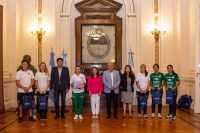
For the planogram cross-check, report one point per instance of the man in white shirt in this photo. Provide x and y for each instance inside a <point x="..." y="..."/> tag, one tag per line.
<point x="24" y="81"/>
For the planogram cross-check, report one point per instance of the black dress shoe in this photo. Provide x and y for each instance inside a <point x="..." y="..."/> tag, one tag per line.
<point x="45" y="116"/>
<point x="63" y="117"/>
<point x="20" y="120"/>
<point x="56" y="117"/>
<point x="108" y="117"/>
<point x="31" y="118"/>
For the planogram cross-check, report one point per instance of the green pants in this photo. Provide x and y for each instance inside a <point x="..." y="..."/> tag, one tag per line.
<point x="78" y="102"/>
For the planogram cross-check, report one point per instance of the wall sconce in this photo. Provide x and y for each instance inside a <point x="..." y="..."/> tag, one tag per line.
<point x="39" y="32"/>
<point x="157" y="32"/>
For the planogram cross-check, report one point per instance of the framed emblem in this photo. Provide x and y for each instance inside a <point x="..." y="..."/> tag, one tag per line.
<point x="98" y="49"/>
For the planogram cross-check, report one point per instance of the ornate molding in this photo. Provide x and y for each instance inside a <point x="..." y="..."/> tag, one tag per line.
<point x="63" y="15"/>
<point x="98" y="6"/>
<point x="132" y="15"/>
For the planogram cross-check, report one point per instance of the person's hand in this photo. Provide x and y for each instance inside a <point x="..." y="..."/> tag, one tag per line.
<point x="99" y="93"/>
<point x="67" y="90"/>
<point x="144" y="91"/>
<point x="112" y="87"/>
<point x="45" y="91"/>
<point x="26" y="89"/>
<point x="40" y="91"/>
<point x="90" y="94"/>
<point x="141" y="90"/>
<point x="72" y="85"/>
<point x="173" y="88"/>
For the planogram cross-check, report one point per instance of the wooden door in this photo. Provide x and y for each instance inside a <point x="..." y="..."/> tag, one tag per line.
<point x="2" y="109"/>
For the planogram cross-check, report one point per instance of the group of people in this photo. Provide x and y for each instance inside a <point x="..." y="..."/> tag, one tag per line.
<point x="111" y="82"/>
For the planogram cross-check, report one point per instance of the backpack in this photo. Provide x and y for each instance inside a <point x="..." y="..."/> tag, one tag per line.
<point x="184" y="102"/>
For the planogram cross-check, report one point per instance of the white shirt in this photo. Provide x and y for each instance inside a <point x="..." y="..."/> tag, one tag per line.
<point x="25" y="78"/>
<point x="76" y="80"/>
<point x="42" y="79"/>
<point x="143" y="80"/>
<point x="111" y="75"/>
<point x="59" y="73"/>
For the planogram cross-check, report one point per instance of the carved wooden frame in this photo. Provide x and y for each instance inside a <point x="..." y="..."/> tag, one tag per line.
<point x="102" y="14"/>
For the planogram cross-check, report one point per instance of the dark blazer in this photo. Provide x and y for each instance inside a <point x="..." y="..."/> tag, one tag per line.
<point x="123" y="83"/>
<point x="64" y="79"/>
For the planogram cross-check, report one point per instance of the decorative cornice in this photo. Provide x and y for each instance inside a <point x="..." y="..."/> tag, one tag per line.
<point x="98" y="6"/>
<point x="132" y="15"/>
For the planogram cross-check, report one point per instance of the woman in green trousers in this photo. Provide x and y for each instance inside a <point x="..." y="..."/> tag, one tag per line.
<point x="78" y="82"/>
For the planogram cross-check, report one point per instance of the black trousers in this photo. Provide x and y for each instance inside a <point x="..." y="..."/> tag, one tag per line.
<point x="138" y="101"/>
<point x="57" y="94"/>
<point x="172" y="107"/>
<point x="112" y="97"/>
<point x="153" y="106"/>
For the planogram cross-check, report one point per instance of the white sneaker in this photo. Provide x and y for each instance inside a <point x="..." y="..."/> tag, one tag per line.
<point x="139" y="115"/>
<point x="173" y="118"/>
<point x="159" y="115"/>
<point x="75" y="117"/>
<point x="169" y="116"/>
<point x="80" y="117"/>
<point x="145" y="116"/>
<point x="93" y="116"/>
<point x="153" y="115"/>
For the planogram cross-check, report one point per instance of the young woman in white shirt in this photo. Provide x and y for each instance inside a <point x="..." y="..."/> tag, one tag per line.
<point x="42" y="81"/>
<point x="78" y="82"/>
<point x="143" y="85"/>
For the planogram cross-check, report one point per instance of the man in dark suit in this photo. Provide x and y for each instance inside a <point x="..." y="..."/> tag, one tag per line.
<point x="60" y="83"/>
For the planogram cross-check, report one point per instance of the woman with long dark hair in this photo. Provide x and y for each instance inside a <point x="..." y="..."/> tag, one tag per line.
<point x="143" y="85"/>
<point x="127" y="88"/>
<point x="172" y="82"/>
<point x="157" y="79"/>
<point x="95" y="87"/>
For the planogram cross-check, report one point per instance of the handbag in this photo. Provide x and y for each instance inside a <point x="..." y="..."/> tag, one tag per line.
<point x="143" y="102"/>
<point x="169" y="97"/>
<point x="27" y="101"/>
<point x="156" y="97"/>
<point x="42" y="102"/>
